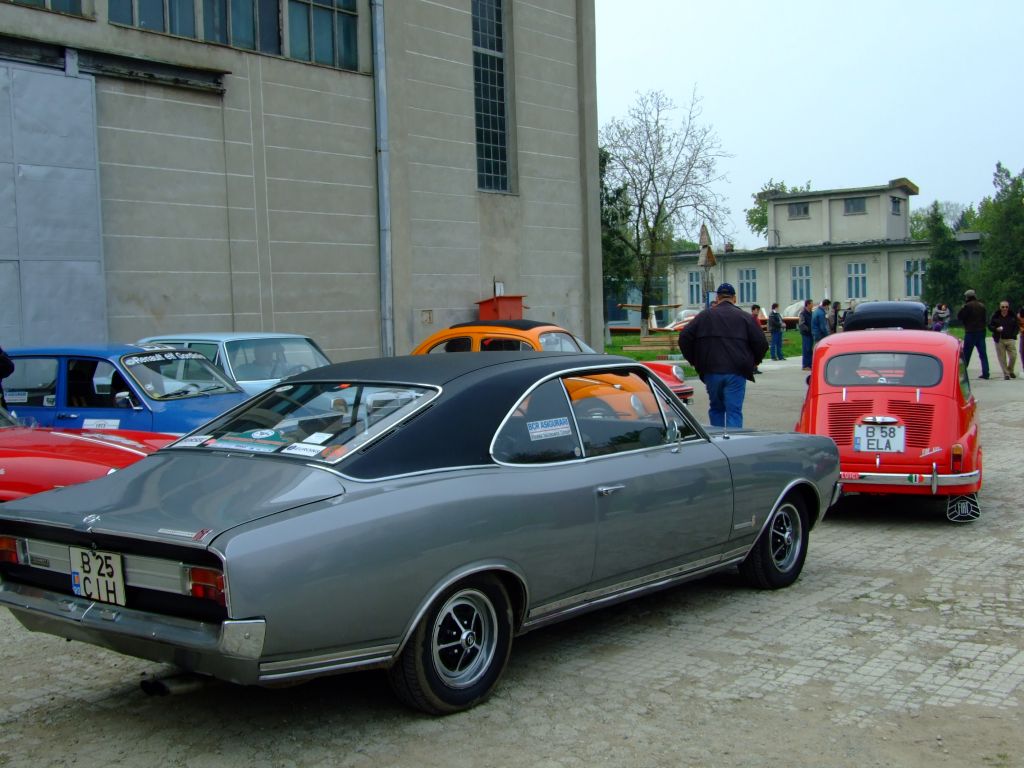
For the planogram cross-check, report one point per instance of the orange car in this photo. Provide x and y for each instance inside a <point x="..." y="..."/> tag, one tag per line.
<point x="512" y="335"/>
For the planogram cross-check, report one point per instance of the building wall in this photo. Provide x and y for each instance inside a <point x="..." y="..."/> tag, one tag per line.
<point x="256" y="208"/>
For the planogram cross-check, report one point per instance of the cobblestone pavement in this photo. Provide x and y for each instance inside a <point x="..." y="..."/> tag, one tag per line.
<point x="899" y="646"/>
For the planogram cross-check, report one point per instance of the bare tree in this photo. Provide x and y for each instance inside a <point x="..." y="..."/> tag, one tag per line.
<point x="669" y="174"/>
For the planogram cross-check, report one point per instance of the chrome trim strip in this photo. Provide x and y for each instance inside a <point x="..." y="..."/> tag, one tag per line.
<point x="739" y="552"/>
<point x="904" y="478"/>
<point x="324" y="663"/>
<point x="94" y="441"/>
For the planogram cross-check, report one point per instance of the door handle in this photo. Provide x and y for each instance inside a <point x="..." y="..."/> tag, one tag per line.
<point x="67" y="415"/>
<point x="608" y="490"/>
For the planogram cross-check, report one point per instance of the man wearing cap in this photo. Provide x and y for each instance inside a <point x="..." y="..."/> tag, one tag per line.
<point x="725" y="344"/>
<point x="972" y="314"/>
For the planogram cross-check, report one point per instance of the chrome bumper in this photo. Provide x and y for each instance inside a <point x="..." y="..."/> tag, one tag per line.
<point x="229" y="650"/>
<point x="934" y="480"/>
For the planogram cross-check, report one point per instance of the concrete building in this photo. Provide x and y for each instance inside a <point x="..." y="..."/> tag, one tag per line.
<point x="842" y="244"/>
<point x="361" y="171"/>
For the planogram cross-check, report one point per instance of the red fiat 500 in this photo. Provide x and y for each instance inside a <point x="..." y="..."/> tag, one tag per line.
<point x="899" y="406"/>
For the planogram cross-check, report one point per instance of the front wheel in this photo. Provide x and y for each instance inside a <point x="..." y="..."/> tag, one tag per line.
<point x="778" y="556"/>
<point x="458" y="650"/>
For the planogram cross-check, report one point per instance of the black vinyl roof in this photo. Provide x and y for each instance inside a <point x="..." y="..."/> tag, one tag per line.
<point x="519" y="325"/>
<point x="887" y="314"/>
<point x="478" y="391"/>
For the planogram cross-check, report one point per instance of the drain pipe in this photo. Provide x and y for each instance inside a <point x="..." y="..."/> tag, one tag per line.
<point x="380" y="108"/>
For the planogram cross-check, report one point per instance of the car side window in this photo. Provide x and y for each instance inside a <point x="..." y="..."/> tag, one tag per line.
<point x="965" y="383"/>
<point x="616" y="412"/>
<point x="209" y="350"/>
<point x="679" y="427"/>
<point x="555" y="341"/>
<point x="33" y="382"/>
<point x="503" y="344"/>
<point x="457" y="344"/>
<point x="92" y="383"/>
<point x="541" y="430"/>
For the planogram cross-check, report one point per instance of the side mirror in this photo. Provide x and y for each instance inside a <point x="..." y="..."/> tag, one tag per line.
<point x="125" y="400"/>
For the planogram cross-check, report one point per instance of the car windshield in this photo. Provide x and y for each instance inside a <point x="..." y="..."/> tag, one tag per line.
<point x="868" y="369"/>
<point x="171" y="374"/>
<point x="325" y="421"/>
<point x="260" y="359"/>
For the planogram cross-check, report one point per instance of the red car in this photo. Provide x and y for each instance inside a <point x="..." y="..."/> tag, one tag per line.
<point x="898" y="405"/>
<point x="511" y="335"/>
<point x="34" y="459"/>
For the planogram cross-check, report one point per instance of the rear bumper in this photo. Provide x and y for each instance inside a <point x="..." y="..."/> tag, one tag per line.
<point x="933" y="482"/>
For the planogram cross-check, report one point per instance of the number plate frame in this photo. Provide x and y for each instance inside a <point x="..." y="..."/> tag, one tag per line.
<point x="879" y="438"/>
<point x="97" y="575"/>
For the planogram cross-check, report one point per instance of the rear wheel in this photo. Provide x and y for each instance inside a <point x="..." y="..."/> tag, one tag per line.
<point x="778" y="556"/>
<point x="458" y="650"/>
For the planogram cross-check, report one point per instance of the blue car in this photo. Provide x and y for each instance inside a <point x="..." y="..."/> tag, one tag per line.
<point x="121" y="386"/>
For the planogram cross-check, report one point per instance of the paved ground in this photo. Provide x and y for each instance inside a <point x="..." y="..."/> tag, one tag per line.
<point x="901" y="645"/>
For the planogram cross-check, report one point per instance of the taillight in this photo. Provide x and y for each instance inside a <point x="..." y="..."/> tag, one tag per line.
<point x="206" y="584"/>
<point x="957" y="455"/>
<point x="12" y="550"/>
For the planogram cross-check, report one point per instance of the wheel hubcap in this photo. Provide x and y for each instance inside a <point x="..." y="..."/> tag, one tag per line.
<point x="785" y="537"/>
<point x="464" y="638"/>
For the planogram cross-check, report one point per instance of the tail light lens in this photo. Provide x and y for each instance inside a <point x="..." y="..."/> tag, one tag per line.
<point x="12" y="550"/>
<point x="206" y="584"/>
<point x="957" y="454"/>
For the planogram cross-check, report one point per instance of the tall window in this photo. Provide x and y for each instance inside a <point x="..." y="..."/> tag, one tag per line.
<point x="913" y="270"/>
<point x="801" y="277"/>
<point x="489" y="93"/>
<point x="896" y="205"/>
<point x="323" y="31"/>
<point x="857" y="280"/>
<point x="854" y="205"/>
<point x="748" y="286"/>
<point x="695" y="289"/>
<point x="60" y="6"/>
<point x="799" y="210"/>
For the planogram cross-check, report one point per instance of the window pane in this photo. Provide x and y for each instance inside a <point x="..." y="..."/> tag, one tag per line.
<point x="243" y="29"/>
<point x="120" y="11"/>
<point x="35" y="3"/>
<point x="182" y="17"/>
<point x="151" y="14"/>
<point x="348" y="5"/>
<point x="67" y="6"/>
<point x="540" y="431"/>
<point x="298" y="31"/>
<point x="323" y="36"/>
<point x="270" y="27"/>
<point x="347" y="52"/>
<point x="33" y="382"/>
<point x="215" y="20"/>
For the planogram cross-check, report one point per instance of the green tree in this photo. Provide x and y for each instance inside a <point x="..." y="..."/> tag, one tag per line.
<point x="952" y="213"/>
<point x="757" y="216"/>
<point x="616" y="260"/>
<point x="669" y="173"/>
<point x="919" y="224"/>
<point x="1001" y="220"/>
<point x="943" y="281"/>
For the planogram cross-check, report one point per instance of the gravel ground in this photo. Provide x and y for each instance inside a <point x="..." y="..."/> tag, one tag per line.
<point x="899" y="646"/>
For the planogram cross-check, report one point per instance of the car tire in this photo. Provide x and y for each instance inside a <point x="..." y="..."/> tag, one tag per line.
<point x="777" y="557"/>
<point x="458" y="650"/>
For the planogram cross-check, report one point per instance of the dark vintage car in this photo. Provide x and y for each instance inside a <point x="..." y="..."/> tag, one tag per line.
<point x="899" y="406"/>
<point x="412" y="513"/>
<point x="39" y="459"/>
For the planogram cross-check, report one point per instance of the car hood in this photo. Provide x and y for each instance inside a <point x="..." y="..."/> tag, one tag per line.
<point x="180" y="497"/>
<point x="114" y="449"/>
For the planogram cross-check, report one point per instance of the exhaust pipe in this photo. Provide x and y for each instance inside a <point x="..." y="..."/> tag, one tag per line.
<point x="171" y="684"/>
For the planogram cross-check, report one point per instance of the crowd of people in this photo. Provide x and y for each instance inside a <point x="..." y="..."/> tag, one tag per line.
<point x="1006" y="327"/>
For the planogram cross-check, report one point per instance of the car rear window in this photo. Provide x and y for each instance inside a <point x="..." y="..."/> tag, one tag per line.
<point x="869" y="369"/>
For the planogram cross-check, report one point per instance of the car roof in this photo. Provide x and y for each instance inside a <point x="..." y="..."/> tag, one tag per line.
<point x="890" y="340"/>
<point x="886" y="314"/>
<point x="85" y="350"/>
<point x="478" y="391"/>
<point x="518" y="325"/>
<point x="220" y="336"/>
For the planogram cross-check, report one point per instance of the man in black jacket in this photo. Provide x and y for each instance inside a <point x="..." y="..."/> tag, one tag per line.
<point x="972" y="314"/>
<point x="725" y="345"/>
<point x="1004" y="333"/>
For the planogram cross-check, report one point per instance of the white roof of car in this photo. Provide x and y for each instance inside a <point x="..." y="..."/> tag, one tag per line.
<point x="221" y="336"/>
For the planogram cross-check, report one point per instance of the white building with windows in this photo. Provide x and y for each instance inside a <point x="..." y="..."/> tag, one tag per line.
<point x="841" y="244"/>
<point x="361" y="171"/>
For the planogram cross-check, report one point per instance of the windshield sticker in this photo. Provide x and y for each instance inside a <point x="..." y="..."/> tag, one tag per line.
<point x="318" y="438"/>
<point x="549" y="428"/>
<point x="190" y="442"/>
<point x="334" y="453"/>
<point x="256" y="440"/>
<point x="160" y="357"/>
<point x="261" y="434"/>
<point x="48" y="401"/>
<point x="301" y="449"/>
<point x="16" y="396"/>
<point x="101" y="423"/>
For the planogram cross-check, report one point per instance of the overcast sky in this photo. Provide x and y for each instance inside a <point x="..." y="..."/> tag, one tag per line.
<point x="838" y="94"/>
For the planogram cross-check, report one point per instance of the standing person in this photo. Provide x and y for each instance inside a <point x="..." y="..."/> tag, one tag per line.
<point x="755" y="312"/>
<point x="1020" y="328"/>
<point x="941" y="317"/>
<point x="725" y="345"/>
<point x="972" y="315"/>
<point x="6" y="369"/>
<point x="804" y="326"/>
<point x="1004" y="333"/>
<point x="819" y="321"/>
<point x="775" y="326"/>
<point x="833" y="318"/>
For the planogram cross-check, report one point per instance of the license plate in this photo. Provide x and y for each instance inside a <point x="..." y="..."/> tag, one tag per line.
<point x="97" y="575"/>
<point x="878" y="438"/>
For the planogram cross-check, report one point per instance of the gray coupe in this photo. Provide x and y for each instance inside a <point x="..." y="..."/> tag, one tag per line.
<point x="412" y="513"/>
